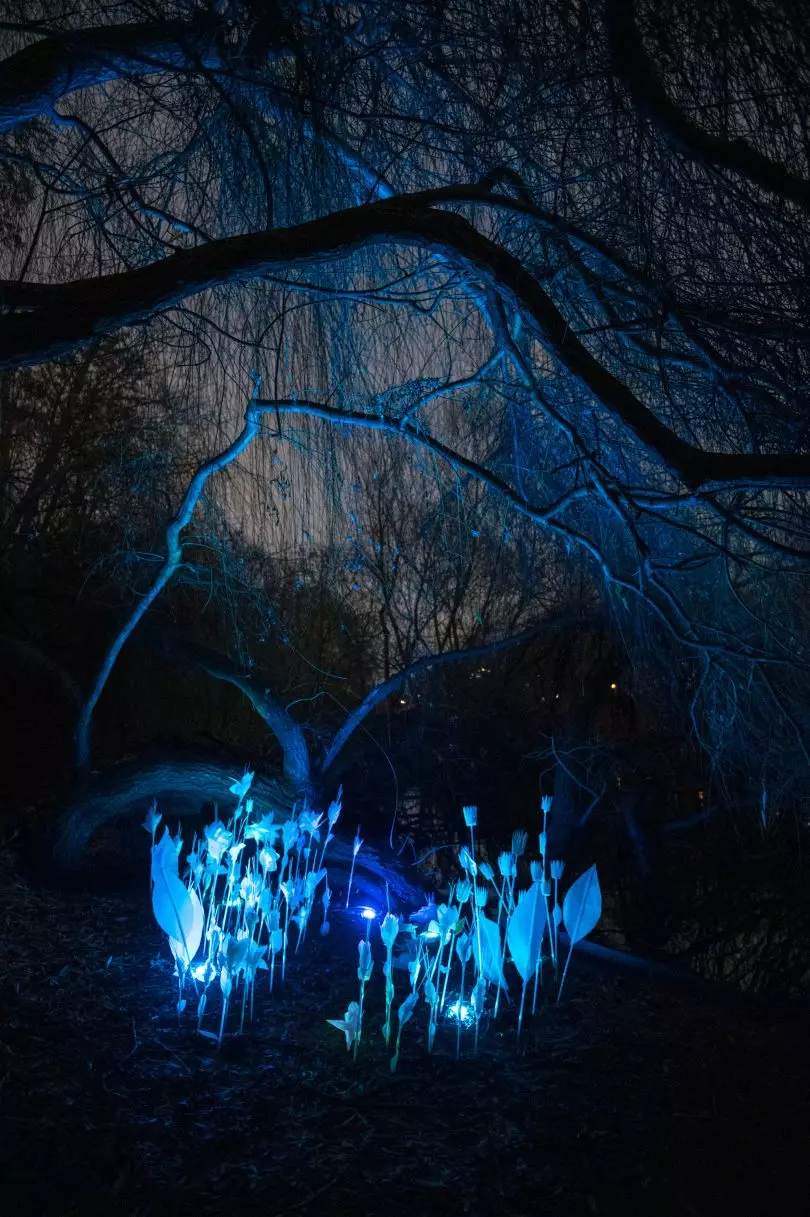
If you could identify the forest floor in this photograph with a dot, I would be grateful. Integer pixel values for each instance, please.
(629, 1098)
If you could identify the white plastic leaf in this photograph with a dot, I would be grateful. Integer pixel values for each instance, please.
(177, 914)
(407, 1008)
(488, 960)
(582, 906)
(349, 1024)
(525, 931)
(184, 950)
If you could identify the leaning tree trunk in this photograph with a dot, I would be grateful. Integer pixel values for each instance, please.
(127, 789)
(186, 786)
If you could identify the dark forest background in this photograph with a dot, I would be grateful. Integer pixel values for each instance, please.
(551, 263)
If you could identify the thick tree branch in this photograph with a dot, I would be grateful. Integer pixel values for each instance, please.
(648, 585)
(380, 692)
(168, 568)
(635, 69)
(288, 732)
(35, 79)
(59, 318)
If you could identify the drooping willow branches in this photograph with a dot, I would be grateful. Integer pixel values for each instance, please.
(560, 252)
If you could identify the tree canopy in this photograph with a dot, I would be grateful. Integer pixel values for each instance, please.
(542, 268)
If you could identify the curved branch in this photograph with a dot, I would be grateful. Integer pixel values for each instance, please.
(635, 69)
(381, 691)
(168, 567)
(288, 732)
(35, 79)
(670, 613)
(418, 436)
(59, 318)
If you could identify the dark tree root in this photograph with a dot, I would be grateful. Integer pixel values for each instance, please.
(186, 787)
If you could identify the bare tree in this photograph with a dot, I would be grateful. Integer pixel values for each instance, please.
(560, 253)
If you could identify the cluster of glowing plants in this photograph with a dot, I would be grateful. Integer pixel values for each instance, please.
(487, 933)
(247, 883)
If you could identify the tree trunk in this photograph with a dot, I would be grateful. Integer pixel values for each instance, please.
(184, 787)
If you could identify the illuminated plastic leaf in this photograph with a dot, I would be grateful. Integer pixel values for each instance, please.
(488, 961)
(235, 951)
(525, 931)
(366, 963)
(241, 785)
(177, 914)
(153, 818)
(464, 947)
(185, 950)
(349, 1024)
(407, 1008)
(582, 906)
(389, 929)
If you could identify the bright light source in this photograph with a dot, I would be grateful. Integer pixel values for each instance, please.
(613, 686)
(459, 1012)
(368, 913)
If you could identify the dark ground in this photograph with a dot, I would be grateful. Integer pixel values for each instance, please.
(629, 1099)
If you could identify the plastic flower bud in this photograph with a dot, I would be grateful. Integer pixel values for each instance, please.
(218, 839)
(487, 871)
(543, 842)
(289, 834)
(335, 808)
(520, 840)
(234, 951)
(480, 897)
(556, 916)
(366, 963)
(463, 890)
(536, 869)
(357, 842)
(506, 865)
(268, 859)
(446, 917)
(545, 887)
(262, 828)
(309, 822)
(406, 1009)
(468, 861)
(241, 785)
(545, 804)
(464, 947)
(557, 869)
(250, 888)
(470, 815)
(389, 929)
(235, 851)
(153, 818)
(349, 1024)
